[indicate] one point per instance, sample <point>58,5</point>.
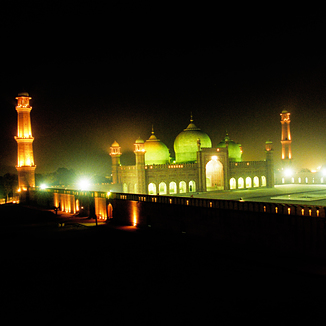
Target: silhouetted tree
<point>64,176</point>
<point>10,182</point>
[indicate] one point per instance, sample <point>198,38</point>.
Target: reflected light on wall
<point>100,208</point>
<point>134,213</point>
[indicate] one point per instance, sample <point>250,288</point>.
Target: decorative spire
<point>152,129</point>
<point>191,118</point>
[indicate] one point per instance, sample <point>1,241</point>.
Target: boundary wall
<point>285,228</point>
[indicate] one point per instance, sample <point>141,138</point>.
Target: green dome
<point>234,149</point>
<point>139,141</point>
<point>156,151</point>
<point>185,144</point>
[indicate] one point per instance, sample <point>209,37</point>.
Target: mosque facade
<point>197,167</point>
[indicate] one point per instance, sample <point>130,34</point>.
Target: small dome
<point>115,144</point>
<point>23,94</point>
<point>234,149</point>
<point>156,151</point>
<point>186,143</point>
<point>139,141</point>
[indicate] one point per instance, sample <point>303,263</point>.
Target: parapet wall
<point>291,229</point>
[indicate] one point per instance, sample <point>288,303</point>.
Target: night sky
<point>93,83</point>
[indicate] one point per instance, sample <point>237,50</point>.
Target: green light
<point>84,184</point>
<point>288,172</point>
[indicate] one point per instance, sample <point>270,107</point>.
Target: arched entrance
<point>162,188</point>
<point>192,186</point>
<point>214,175</point>
<point>233,183</point>
<point>110,211</point>
<point>172,188</point>
<point>152,189</point>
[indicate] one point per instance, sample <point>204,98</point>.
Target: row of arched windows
<point>304,180</point>
<point>171,188</point>
<point>248,182</point>
<point>163,188</point>
<point>182,187</point>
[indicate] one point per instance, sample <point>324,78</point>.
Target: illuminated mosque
<point>198,166</point>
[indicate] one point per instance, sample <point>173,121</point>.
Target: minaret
<point>115,156</point>
<point>140,165</point>
<point>25,158</point>
<point>286,137</point>
<point>269,164</point>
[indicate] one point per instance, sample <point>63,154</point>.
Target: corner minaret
<point>25,158</point>
<point>269,164</point>
<point>115,155</point>
<point>140,165</point>
<point>286,137</point>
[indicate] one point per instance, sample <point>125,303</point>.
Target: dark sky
<point>95,82</point>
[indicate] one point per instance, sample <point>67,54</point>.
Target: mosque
<point>198,166</point>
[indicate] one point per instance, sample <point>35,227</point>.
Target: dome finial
<point>191,118</point>
<point>152,129</point>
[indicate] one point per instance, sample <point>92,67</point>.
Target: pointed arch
<point>192,186</point>
<point>214,175</point>
<point>162,188</point>
<point>256,181</point>
<point>233,183</point>
<point>152,189</point>
<point>172,188</point>
<point>182,187</point>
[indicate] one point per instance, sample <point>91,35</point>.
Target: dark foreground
<point>105,275</point>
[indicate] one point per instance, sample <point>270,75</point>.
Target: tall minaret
<point>140,165</point>
<point>25,158</point>
<point>286,137</point>
<point>115,156</point>
<point>269,164</point>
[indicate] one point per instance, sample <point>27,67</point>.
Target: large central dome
<point>186,143</point>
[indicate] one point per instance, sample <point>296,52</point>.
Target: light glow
<point>288,172</point>
<point>43,186</point>
<point>84,184</point>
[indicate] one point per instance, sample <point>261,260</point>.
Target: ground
<point>112,275</point>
